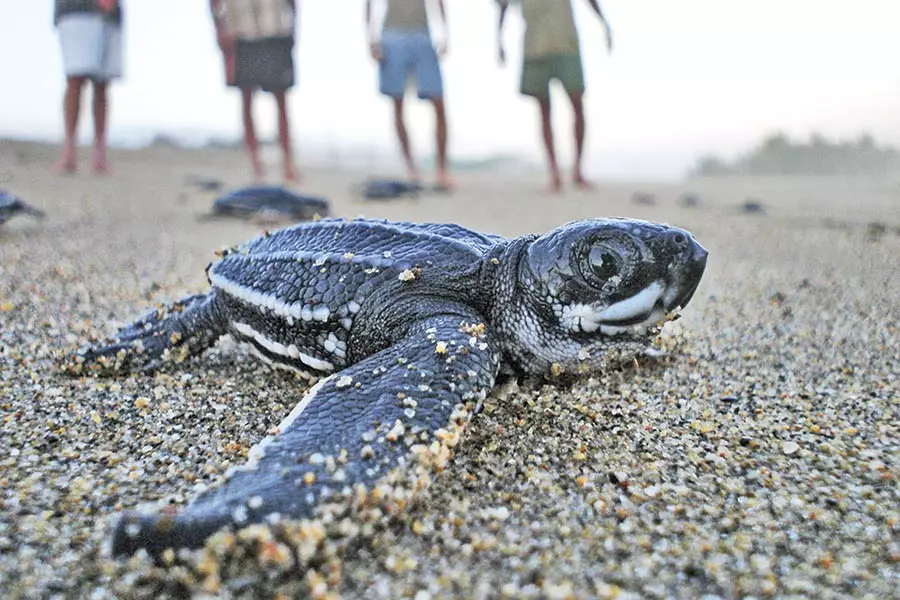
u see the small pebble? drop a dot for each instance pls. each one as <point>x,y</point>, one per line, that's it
<point>790,447</point>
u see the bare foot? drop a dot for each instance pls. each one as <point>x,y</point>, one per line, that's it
<point>99,164</point>
<point>412,175</point>
<point>290,174</point>
<point>555,183</point>
<point>258,172</point>
<point>582,183</point>
<point>66,165</point>
<point>444,182</point>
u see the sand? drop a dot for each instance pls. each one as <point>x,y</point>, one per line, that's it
<point>758,458</point>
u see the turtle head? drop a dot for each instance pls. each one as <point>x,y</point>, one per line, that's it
<point>594,285</point>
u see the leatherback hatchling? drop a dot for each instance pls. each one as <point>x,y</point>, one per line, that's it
<point>407,326</point>
<point>269,203</point>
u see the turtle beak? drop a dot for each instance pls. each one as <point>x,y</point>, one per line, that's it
<point>687,275</point>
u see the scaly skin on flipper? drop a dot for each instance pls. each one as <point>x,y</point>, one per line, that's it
<point>345,437</point>
<point>173,332</point>
<point>409,322</point>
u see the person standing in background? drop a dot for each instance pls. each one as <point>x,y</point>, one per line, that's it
<point>551,51</point>
<point>402,48</point>
<point>90,35</point>
<point>257,42</point>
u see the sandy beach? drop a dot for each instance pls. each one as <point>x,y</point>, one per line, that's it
<point>758,458</point>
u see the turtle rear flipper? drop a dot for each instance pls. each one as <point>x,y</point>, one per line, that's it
<point>31,211</point>
<point>367,437</point>
<point>173,331</point>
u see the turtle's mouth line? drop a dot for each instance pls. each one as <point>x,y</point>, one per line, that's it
<point>655,304</point>
<point>665,307</point>
<point>660,309</point>
<point>634,309</point>
<point>657,313</point>
<point>637,319</point>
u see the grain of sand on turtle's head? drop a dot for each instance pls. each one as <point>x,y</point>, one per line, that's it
<point>760,457</point>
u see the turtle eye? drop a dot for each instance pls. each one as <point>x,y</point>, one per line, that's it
<point>604,262</point>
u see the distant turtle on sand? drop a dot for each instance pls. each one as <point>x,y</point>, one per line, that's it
<point>876,230</point>
<point>689,200</point>
<point>268,204</point>
<point>390,189</point>
<point>645,198</point>
<point>10,206</point>
<point>753,206</point>
<point>206,184</point>
<point>407,324</point>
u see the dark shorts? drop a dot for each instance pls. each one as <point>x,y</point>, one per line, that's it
<point>537,73</point>
<point>265,63</point>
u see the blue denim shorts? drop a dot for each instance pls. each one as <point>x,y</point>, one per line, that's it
<point>409,53</point>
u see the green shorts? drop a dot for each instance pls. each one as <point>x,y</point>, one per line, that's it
<point>537,73</point>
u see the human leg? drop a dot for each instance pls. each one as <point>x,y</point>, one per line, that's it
<point>443,178</point>
<point>549,146</point>
<point>68,162</point>
<point>578,109</point>
<point>535,82</point>
<point>430,84</point>
<point>412,172</point>
<point>284,137</point>
<point>99,161</point>
<point>250,142</point>
<point>392,72</point>
<point>568,69</point>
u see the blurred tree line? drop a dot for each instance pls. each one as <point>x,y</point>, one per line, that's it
<point>778,155</point>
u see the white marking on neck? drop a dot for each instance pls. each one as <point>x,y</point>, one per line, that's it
<point>579,317</point>
<point>280,349</point>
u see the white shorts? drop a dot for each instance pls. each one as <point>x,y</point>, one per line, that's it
<point>91,46</point>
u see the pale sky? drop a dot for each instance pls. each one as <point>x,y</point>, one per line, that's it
<point>685,77</point>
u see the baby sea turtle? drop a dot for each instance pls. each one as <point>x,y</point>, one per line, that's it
<point>689,200</point>
<point>408,324</point>
<point>10,206</point>
<point>753,206</point>
<point>269,203</point>
<point>390,189</point>
<point>644,198</point>
<point>206,184</point>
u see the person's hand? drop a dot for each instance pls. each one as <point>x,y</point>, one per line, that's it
<point>107,5</point>
<point>440,47</point>
<point>375,50</point>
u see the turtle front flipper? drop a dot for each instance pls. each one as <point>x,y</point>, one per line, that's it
<point>173,331</point>
<point>31,210</point>
<point>367,437</point>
